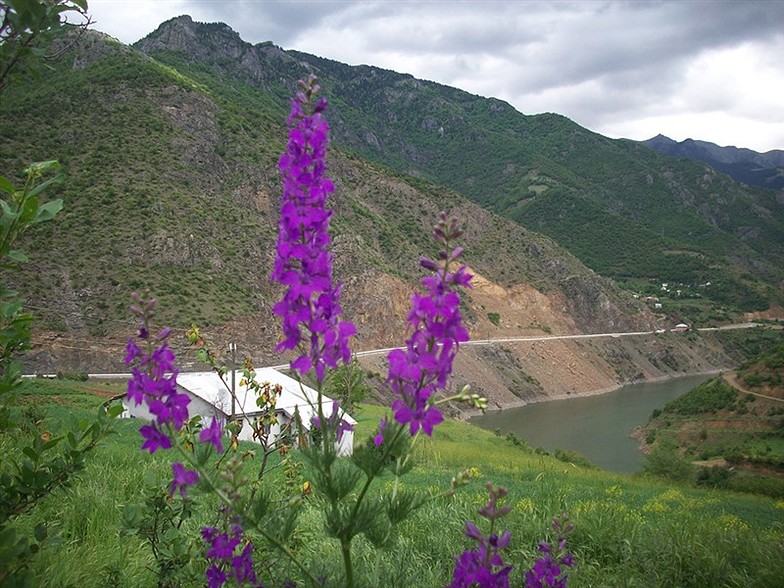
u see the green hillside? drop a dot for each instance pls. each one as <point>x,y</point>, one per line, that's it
<point>172,186</point>
<point>628,531</point>
<point>727,432</point>
<point>624,210</point>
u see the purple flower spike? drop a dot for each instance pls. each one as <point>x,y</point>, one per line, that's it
<point>310,307</point>
<point>382,426</point>
<point>154,439</point>
<point>154,380</point>
<point>334,421</point>
<point>437,330</point>
<point>225,563</point>
<point>548,571</point>
<point>483,566</point>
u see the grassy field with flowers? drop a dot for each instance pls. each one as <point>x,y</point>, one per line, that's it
<point>628,531</point>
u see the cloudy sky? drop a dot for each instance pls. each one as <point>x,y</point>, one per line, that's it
<point>710,70</point>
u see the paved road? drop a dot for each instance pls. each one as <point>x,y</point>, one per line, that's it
<point>560,338</point>
<point>386,350</point>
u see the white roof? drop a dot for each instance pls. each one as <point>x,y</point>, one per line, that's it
<point>294,396</point>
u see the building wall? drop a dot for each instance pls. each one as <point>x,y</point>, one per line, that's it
<point>199,406</point>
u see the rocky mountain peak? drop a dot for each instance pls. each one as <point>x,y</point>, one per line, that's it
<point>216,44</point>
<point>197,39</point>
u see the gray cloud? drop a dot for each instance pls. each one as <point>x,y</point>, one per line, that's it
<point>608,65</point>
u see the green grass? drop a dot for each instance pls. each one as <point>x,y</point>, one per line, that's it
<point>629,531</point>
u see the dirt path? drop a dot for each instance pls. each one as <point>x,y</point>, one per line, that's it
<point>732,379</point>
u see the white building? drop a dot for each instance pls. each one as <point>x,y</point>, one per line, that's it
<point>211,398</point>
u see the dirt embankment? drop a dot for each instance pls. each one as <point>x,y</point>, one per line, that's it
<point>507,374</point>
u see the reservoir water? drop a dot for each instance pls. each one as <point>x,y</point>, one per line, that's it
<point>598,427</point>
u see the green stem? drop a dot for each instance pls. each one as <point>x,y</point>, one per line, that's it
<point>204,475</point>
<point>345,547</point>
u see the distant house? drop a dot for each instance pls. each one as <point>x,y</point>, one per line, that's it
<point>681,328</point>
<point>210,398</point>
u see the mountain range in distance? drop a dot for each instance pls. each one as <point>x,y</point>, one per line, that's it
<point>743,165</point>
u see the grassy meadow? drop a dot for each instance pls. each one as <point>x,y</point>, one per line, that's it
<point>628,530</point>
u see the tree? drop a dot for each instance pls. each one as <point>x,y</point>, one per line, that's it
<point>347,385</point>
<point>24,27</point>
<point>665,461</point>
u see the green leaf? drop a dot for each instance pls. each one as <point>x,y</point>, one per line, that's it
<point>29,210</point>
<point>18,256</point>
<point>203,452</point>
<point>51,443</point>
<point>6,186</point>
<point>48,211</point>
<point>44,185</point>
<point>114,411</point>
<point>8,215</point>
<point>40,533</point>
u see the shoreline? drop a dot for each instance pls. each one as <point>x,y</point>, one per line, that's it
<point>470,413</point>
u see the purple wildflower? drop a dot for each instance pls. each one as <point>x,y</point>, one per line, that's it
<point>154,438</point>
<point>242,565</point>
<point>548,570</point>
<point>334,422</point>
<point>132,351</point>
<point>215,577</point>
<point>224,562</point>
<point>417,372</point>
<point>483,566</point>
<point>182,479</point>
<point>382,427</point>
<point>213,434</point>
<point>154,380</point>
<point>222,546</point>
<point>310,307</point>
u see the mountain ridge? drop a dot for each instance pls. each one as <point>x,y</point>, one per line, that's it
<point>744,165</point>
<point>670,220</point>
<point>172,188</point>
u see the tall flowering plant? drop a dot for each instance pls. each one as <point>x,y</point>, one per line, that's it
<point>310,307</point>
<point>550,568</point>
<point>154,383</point>
<point>484,566</point>
<point>248,523</point>
<point>437,330</point>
